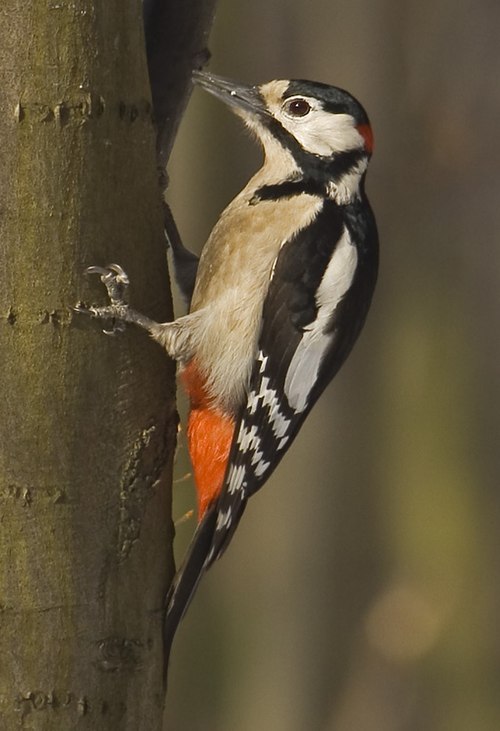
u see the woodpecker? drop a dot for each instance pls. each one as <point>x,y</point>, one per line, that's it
<point>281,292</point>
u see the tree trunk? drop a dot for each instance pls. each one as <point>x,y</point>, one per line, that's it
<point>87,422</point>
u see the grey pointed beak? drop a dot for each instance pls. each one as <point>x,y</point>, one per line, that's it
<point>238,96</point>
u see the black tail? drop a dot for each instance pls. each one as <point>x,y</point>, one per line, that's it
<point>186,580</point>
<point>207,545</point>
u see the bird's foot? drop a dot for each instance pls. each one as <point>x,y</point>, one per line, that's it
<point>116,282</point>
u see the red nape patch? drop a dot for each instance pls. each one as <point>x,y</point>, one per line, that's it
<point>210,434</point>
<point>366,133</point>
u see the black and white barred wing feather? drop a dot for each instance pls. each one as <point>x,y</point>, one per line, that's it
<point>315,307</point>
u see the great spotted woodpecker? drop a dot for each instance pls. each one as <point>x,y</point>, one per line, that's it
<point>282,290</point>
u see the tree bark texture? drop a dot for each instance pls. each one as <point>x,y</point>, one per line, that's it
<point>87,422</point>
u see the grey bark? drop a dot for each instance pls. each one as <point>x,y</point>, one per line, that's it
<point>87,423</point>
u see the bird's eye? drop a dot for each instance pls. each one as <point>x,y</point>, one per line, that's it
<point>297,107</point>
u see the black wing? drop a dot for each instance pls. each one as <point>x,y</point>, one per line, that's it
<point>315,307</point>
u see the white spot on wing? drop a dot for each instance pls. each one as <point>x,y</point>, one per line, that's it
<point>282,443</point>
<point>261,466</point>
<point>304,366</point>
<point>253,402</point>
<point>269,398</point>
<point>262,359</point>
<point>248,439</point>
<point>223,519</point>
<point>235,479</point>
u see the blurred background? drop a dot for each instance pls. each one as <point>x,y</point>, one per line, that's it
<point>362,590</point>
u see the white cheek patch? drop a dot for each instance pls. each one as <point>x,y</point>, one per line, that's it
<point>323,133</point>
<point>319,132</point>
<point>305,364</point>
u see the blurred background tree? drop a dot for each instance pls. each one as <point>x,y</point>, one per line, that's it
<point>362,592</point>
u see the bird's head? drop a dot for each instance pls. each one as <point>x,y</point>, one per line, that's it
<point>324,129</point>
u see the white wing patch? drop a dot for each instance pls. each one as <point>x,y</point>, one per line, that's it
<point>304,366</point>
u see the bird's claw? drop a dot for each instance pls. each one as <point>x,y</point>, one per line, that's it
<point>116,282</point>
